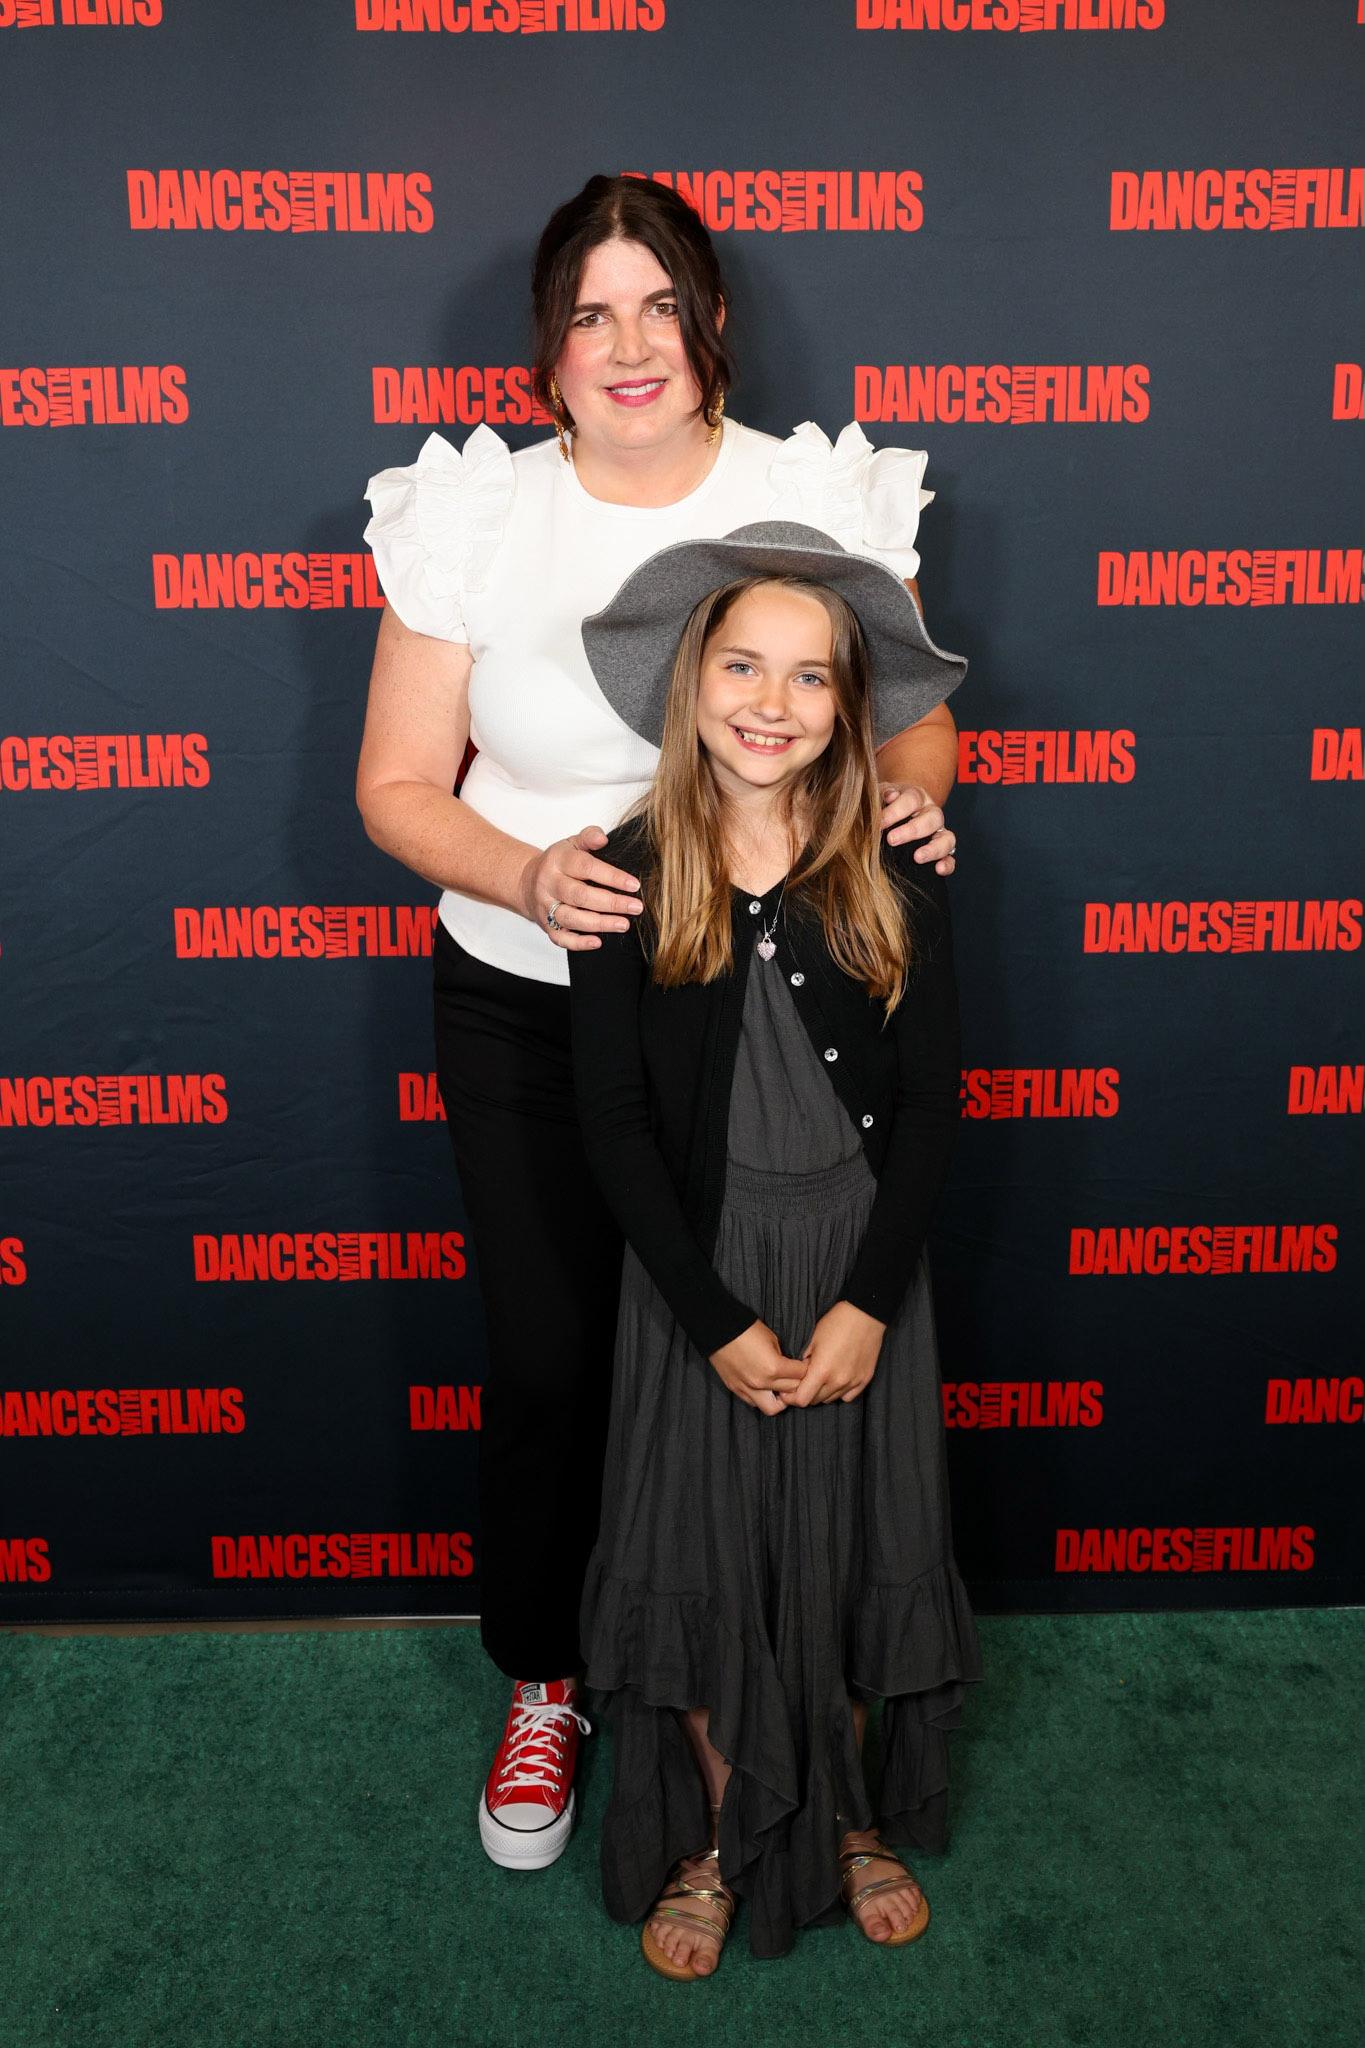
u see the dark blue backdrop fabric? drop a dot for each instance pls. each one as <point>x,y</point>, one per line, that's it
<point>1101,260</point>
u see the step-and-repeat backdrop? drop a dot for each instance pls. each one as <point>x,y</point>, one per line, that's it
<point>1101,258</point>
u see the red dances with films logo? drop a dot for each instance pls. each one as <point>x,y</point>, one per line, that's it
<point>419,1099</point>
<point>1203,1549</point>
<point>285,581</point>
<point>1326,1091</point>
<point>25,1560</point>
<point>1249,925</point>
<point>121,1411</point>
<point>84,761</point>
<point>86,1101</point>
<point>80,13</point>
<point>282,202</point>
<point>1028,17</point>
<point>94,395</point>
<point>1348,389</point>
<point>1201,1250</point>
<point>1315,1400</point>
<point>329,1255</point>
<point>465,396</point>
<point>1336,755</point>
<point>510,17</point>
<point>345,1554</point>
<point>1003,394</point>
<point>1290,196</point>
<point>990,1094</point>
<point>1229,576</point>
<point>445,1407</point>
<point>304,931</point>
<point>1022,755</point>
<point>1023,1404</point>
<point>800,202</point>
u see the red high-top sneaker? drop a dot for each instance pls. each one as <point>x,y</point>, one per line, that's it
<point>526,1811</point>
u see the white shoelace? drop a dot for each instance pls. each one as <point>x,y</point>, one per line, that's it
<point>537,1728</point>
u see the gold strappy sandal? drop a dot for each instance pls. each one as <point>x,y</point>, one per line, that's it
<point>855,1860</point>
<point>680,1887</point>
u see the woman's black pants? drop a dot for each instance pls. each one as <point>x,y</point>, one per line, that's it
<point>547,1253</point>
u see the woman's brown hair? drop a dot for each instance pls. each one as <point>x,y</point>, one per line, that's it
<point>839,874</point>
<point>633,210</point>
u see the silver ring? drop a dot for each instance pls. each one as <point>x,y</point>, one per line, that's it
<point>550,918</point>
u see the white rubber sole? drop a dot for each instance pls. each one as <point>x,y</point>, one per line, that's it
<point>511,1849</point>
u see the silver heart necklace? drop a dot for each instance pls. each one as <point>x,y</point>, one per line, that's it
<point>765,945</point>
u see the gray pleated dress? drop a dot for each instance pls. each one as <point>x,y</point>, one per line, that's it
<point>765,1567</point>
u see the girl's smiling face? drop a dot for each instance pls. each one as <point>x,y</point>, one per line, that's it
<point>765,700</point>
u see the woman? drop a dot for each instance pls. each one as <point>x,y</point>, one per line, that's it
<point>768,1068</point>
<point>490,561</point>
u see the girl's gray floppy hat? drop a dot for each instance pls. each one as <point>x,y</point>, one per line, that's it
<point>631,643</point>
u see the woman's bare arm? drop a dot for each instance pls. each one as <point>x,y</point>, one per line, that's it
<point>924,754</point>
<point>921,758</point>
<point>416,731</point>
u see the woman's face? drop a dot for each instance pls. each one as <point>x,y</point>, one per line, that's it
<point>622,370</point>
<point>765,700</point>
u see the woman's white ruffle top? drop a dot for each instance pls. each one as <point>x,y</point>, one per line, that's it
<point>508,554</point>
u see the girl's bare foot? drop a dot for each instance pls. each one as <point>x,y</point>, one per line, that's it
<point>690,1923</point>
<point>685,1933</point>
<point>888,1913</point>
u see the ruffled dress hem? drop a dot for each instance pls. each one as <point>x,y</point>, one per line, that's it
<point>784,1813</point>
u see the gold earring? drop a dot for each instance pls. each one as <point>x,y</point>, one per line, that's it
<point>558,412</point>
<point>713,417</point>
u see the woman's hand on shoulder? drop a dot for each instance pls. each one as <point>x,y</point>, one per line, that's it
<point>753,1367</point>
<point>840,1358</point>
<point>587,895</point>
<point>909,816</point>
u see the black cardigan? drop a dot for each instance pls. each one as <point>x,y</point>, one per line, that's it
<point>653,1069</point>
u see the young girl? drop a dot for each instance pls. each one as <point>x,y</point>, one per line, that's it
<point>767,1071</point>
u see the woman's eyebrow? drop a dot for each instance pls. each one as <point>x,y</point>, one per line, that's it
<point>602,306</point>
<point>751,654</point>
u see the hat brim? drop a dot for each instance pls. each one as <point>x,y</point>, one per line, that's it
<point>631,643</point>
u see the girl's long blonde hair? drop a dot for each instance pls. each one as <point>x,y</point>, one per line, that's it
<point>840,878</point>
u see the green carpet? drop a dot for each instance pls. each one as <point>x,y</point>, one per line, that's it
<point>268,1841</point>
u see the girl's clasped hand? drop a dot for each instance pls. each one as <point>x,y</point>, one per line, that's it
<point>836,1365</point>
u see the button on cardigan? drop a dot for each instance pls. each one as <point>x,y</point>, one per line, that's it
<point>653,1069</point>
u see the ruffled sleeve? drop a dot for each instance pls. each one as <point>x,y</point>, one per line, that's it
<point>868,499</point>
<point>436,526</point>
